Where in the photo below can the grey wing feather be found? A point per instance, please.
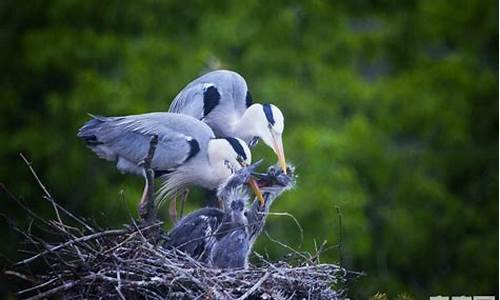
(231, 86)
(126, 139)
(189, 101)
(192, 234)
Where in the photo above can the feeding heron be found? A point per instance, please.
(222, 100)
(187, 152)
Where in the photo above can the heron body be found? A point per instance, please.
(222, 100)
(187, 152)
(218, 98)
(193, 233)
(231, 245)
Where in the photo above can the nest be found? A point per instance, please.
(130, 263)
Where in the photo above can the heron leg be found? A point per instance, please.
(147, 193)
(185, 194)
(172, 209)
(146, 207)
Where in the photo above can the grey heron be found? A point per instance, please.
(187, 152)
(231, 244)
(194, 233)
(222, 100)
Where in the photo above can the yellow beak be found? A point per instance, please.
(278, 149)
(256, 190)
(254, 186)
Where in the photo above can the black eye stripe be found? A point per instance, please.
(269, 113)
(238, 148)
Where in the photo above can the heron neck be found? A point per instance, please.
(245, 128)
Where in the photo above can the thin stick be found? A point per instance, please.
(49, 197)
(287, 247)
(71, 242)
(294, 219)
(254, 287)
(42, 186)
(53, 291)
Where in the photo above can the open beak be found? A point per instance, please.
(278, 149)
(254, 186)
(256, 190)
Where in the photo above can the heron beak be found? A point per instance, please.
(278, 149)
(254, 186)
(256, 190)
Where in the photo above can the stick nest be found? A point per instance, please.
(84, 262)
(130, 263)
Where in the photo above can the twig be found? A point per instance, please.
(19, 275)
(294, 219)
(288, 247)
(71, 242)
(254, 287)
(49, 197)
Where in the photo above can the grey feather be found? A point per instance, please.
(193, 232)
(126, 139)
(233, 91)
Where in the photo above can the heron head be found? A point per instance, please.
(238, 211)
(229, 154)
(268, 124)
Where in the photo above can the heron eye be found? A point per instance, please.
(269, 125)
(241, 161)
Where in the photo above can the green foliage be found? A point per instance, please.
(391, 116)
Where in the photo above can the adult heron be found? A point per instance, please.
(222, 100)
(187, 152)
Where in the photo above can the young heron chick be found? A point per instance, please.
(231, 245)
(195, 232)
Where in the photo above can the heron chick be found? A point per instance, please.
(231, 245)
(222, 100)
(195, 233)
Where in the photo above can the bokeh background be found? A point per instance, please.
(391, 120)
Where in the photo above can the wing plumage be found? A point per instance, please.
(194, 232)
(217, 98)
(126, 139)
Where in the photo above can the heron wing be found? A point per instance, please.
(221, 88)
(196, 100)
(115, 138)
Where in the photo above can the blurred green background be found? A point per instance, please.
(391, 114)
